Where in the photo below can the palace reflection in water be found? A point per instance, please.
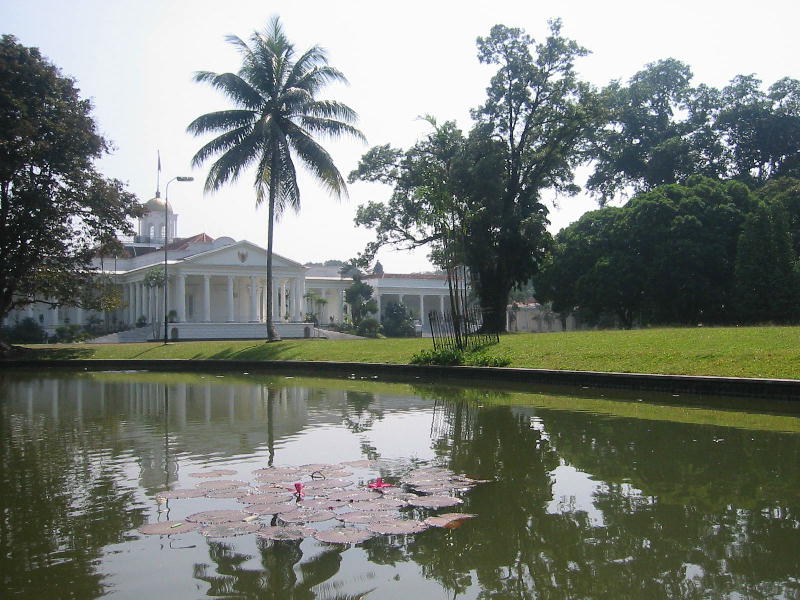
(583, 503)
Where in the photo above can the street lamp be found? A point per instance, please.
(166, 237)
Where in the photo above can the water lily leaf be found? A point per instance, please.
(320, 504)
(358, 464)
(269, 509)
(212, 517)
(449, 520)
(167, 528)
(343, 535)
(397, 527)
(434, 501)
(222, 484)
(372, 516)
(354, 495)
(379, 504)
(264, 497)
(229, 529)
(279, 534)
(224, 493)
(307, 516)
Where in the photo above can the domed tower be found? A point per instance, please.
(151, 225)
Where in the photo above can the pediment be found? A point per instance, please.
(240, 254)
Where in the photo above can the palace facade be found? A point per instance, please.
(216, 288)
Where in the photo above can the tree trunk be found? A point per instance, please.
(272, 333)
(494, 303)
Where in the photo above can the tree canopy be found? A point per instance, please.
(55, 208)
(477, 199)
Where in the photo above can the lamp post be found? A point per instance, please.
(166, 237)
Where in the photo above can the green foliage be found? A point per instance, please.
(56, 208)
(69, 334)
(25, 331)
(275, 117)
(445, 357)
(359, 297)
(397, 321)
(368, 327)
(667, 256)
(767, 284)
(141, 321)
(476, 200)
(481, 358)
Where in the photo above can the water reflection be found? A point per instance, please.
(583, 503)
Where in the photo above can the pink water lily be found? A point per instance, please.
(298, 489)
(378, 484)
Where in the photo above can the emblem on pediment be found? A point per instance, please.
(242, 256)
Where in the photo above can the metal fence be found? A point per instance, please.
(462, 332)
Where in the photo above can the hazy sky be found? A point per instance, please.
(404, 59)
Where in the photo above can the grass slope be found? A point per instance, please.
(740, 352)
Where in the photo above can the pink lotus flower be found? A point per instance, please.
(298, 489)
(378, 484)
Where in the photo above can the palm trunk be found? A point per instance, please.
(272, 333)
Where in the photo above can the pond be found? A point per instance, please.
(573, 495)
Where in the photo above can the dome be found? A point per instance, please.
(156, 205)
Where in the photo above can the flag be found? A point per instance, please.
(159, 161)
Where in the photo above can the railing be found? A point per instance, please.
(464, 332)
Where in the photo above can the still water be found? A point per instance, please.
(589, 497)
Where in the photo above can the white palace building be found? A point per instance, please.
(217, 288)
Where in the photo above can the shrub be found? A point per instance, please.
(481, 359)
(141, 321)
(397, 321)
(443, 358)
(369, 327)
(67, 334)
(26, 331)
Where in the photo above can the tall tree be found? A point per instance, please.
(486, 188)
(275, 117)
(55, 208)
(543, 116)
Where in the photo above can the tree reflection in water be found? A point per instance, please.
(279, 577)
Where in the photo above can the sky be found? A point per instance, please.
(135, 60)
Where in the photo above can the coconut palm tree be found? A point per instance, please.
(274, 120)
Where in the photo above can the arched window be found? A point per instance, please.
(151, 231)
(163, 231)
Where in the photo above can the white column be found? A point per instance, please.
(301, 303)
(275, 308)
(378, 301)
(400, 299)
(206, 298)
(138, 294)
(180, 292)
(78, 315)
(253, 299)
(422, 308)
(230, 299)
(441, 305)
(293, 304)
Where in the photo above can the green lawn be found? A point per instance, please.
(743, 352)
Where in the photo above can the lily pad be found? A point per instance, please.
(287, 471)
(434, 501)
(307, 516)
(372, 516)
(167, 528)
(288, 534)
(354, 495)
(343, 535)
(265, 497)
(397, 527)
(379, 504)
(225, 493)
(269, 509)
(180, 494)
(229, 529)
(311, 467)
(222, 484)
(332, 474)
(449, 520)
(214, 473)
(320, 504)
(213, 517)
(322, 484)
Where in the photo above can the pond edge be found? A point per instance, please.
(786, 389)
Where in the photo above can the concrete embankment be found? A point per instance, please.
(786, 389)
